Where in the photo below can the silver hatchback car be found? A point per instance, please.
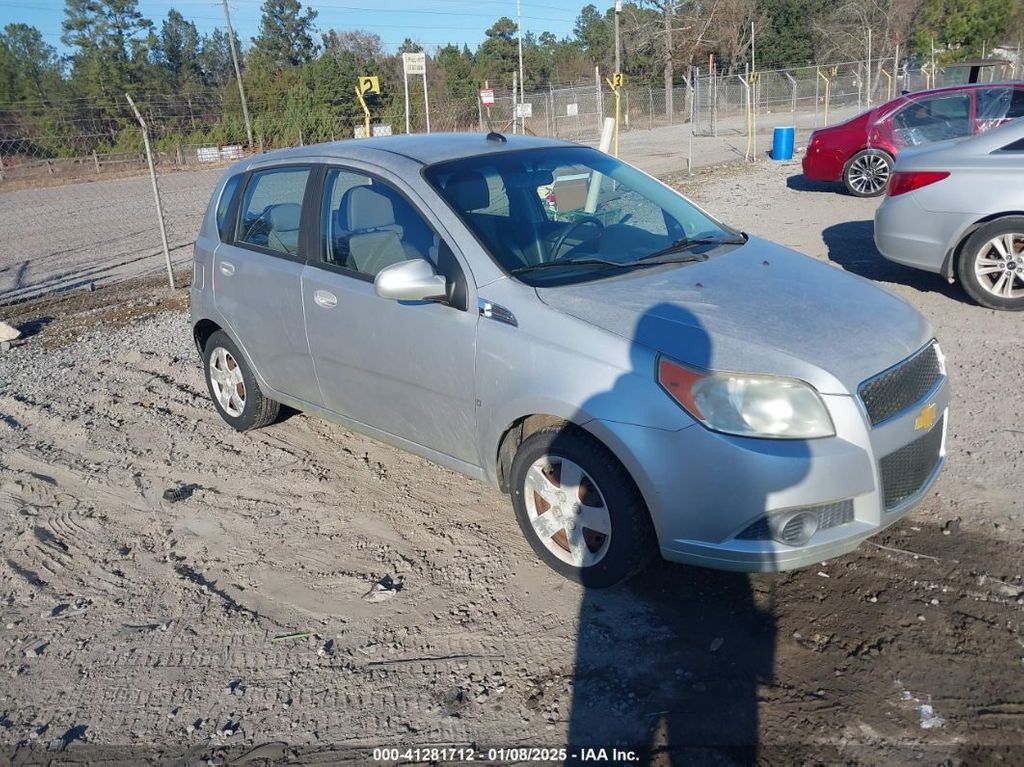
(638, 376)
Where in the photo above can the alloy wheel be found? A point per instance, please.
(227, 382)
(567, 511)
(869, 173)
(999, 265)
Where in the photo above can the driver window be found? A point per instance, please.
(367, 225)
(939, 118)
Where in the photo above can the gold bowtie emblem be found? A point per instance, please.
(926, 418)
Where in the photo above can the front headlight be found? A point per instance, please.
(747, 405)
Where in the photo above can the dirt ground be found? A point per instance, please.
(242, 621)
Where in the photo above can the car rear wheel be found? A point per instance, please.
(233, 388)
(579, 508)
(867, 173)
(991, 264)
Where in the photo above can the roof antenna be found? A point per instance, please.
(497, 137)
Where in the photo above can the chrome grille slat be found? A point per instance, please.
(905, 471)
(902, 386)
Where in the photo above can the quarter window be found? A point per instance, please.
(272, 209)
(227, 199)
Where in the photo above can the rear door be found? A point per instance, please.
(257, 278)
(406, 368)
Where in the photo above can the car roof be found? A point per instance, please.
(423, 148)
(955, 89)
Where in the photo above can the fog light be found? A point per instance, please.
(793, 529)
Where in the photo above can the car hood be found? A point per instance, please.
(760, 308)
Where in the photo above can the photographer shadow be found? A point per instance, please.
(668, 664)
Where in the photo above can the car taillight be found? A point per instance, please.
(902, 182)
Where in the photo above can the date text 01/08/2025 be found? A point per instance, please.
(512, 754)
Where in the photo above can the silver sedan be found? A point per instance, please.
(958, 210)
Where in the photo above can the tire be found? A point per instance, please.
(607, 497)
(991, 264)
(867, 173)
(236, 395)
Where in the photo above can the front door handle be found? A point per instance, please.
(227, 268)
(325, 299)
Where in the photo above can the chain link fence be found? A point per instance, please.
(61, 237)
(77, 140)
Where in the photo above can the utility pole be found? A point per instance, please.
(519, 34)
(618, 50)
(238, 73)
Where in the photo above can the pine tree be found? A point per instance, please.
(286, 33)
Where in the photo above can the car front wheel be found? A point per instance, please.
(579, 508)
(867, 173)
(991, 264)
(233, 388)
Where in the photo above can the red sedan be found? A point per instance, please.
(861, 151)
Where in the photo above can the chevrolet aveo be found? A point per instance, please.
(638, 376)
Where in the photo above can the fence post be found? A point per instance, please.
(746, 109)
(156, 189)
(792, 83)
(650, 93)
(96, 161)
(693, 107)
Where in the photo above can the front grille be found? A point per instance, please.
(905, 471)
(829, 515)
(901, 386)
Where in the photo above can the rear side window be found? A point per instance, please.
(1016, 146)
(227, 199)
(272, 209)
(934, 118)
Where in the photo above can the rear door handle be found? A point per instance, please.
(227, 268)
(325, 299)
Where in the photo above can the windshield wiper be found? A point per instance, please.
(685, 242)
(646, 261)
(568, 262)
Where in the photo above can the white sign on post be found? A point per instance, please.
(524, 109)
(415, 64)
(487, 97)
(572, 110)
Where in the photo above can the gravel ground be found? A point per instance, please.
(246, 614)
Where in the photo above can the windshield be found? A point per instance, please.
(566, 214)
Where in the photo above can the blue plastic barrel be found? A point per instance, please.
(782, 143)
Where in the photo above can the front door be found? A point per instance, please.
(405, 368)
(257, 275)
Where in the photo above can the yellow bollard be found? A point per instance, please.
(828, 86)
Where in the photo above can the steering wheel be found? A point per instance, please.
(579, 223)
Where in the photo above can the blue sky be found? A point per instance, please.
(429, 22)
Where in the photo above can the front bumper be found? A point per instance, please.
(704, 489)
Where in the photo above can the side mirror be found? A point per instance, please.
(413, 280)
